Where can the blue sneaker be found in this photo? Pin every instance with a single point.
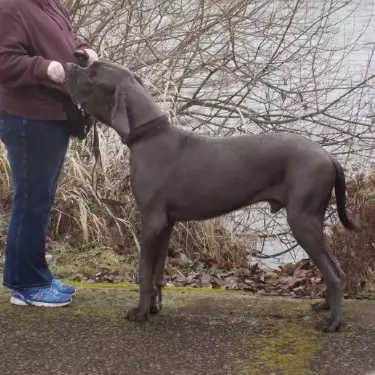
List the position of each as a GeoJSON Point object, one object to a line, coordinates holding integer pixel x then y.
{"type": "Point", "coordinates": [46, 297]}
{"type": "Point", "coordinates": [62, 288]}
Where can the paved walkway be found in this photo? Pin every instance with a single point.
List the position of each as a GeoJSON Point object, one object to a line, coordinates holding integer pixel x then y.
{"type": "Point", "coordinates": [199, 333]}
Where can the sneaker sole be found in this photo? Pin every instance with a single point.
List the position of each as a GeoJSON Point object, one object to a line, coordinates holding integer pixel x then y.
{"type": "Point", "coordinates": [18, 302]}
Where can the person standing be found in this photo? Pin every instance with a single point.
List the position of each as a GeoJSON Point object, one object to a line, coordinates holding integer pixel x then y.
{"type": "Point", "coordinates": [36, 40]}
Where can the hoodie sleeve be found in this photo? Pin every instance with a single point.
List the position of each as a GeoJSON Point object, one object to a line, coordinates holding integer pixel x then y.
{"type": "Point", "coordinates": [17, 68]}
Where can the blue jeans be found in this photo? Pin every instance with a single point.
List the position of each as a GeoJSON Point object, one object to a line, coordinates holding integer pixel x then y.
{"type": "Point", "coordinates": [36, 152]}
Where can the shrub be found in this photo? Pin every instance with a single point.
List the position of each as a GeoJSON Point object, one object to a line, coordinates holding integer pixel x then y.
{"type": "Point", "coordinates": [356, 250]}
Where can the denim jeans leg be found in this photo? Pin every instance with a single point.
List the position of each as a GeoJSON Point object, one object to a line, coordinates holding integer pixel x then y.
{"type": "Point", "coordinates": [36, 151]}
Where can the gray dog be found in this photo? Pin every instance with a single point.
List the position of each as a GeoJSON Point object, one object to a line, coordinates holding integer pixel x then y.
{"type": "Point", "coordinates": [178, 175]}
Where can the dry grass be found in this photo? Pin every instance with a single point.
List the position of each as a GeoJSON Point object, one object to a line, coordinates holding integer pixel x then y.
{"type": "Point", "coordinates": [356, 251]}
{"type": "Point", "coordinates": [88, 236]}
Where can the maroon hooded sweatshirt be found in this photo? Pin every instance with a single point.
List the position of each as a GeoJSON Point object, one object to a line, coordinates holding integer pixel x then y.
{"type": "Point", "coordinates": [32, 34]}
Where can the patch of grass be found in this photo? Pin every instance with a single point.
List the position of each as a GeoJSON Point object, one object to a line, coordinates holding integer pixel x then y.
{"type": "Point", "coordinates": [118, 286]}
{"type": "Point", "coordinates": [282, 348]}
{"type": "Point", "coordinates": [67, 262]}
{"type": "Point", "coordinates": [172, 289]}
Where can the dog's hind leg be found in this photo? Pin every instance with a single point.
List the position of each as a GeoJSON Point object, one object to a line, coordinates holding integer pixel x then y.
{"type": "Point", "coordinates": [155, 227]}
{"type": "Point", "coordinates": [157, 297]}
{"type": "Point", "coordinates": [336, 266]}
{"type": "Point", "coordinates": [340, 274]}
{"type": "Point", "coordinates": [325, 305]}
{"type": "Point", "coordinates": [308, 231]}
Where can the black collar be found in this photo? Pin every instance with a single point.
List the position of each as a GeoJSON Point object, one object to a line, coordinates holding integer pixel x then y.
{"type": "Point", "coordinates": [148, 130]}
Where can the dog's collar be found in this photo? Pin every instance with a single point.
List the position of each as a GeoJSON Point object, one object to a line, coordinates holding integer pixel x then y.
{"type": "Point", "coordinates": [148, 130]}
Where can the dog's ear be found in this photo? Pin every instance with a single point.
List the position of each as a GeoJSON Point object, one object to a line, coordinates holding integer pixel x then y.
{"type": "Point", "coordinates": [119, 115]}
{"type": "Point", "coordinates": [138, 79]}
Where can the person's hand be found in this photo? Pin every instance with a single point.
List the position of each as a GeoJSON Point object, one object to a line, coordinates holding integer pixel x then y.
{"type": "Point", "coordinates": [56, 72]}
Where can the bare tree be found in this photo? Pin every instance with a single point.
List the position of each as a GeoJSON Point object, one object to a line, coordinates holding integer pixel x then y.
{"type": "Point", "coordinates": [244, 66]}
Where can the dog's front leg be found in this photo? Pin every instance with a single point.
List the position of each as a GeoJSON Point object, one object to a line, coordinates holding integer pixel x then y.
{"type": "Point", "coordinates": [157, 297]}
{"type": "Point", "coordinates": [154, 228]}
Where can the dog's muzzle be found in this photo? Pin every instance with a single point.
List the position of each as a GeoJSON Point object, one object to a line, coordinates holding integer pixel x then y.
{"type": "Point", "coordinates": [68, 67]}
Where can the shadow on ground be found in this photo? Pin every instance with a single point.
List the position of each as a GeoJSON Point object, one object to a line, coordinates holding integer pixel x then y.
{"type": "Point", "coordinates": [199, 332]}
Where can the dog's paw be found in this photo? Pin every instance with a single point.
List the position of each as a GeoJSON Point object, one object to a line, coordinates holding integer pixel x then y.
{"type": "Point", "coordinates": [137, 315]}
{"type": "Point", "coordinates": [156, 301]}
{"type": "Point", "coordinates": [155, 308]}
{"type": "Point", "coordinates": [330, 325]}
{"type": "Point", "coordinates": [321, 306]}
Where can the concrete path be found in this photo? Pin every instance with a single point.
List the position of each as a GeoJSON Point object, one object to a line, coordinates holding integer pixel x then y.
{"type": "Point", "coordinates": [199, 333]}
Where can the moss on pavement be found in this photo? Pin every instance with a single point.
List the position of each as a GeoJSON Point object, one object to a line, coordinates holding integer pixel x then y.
{"type": "Point", "coordinates": [198, 332]}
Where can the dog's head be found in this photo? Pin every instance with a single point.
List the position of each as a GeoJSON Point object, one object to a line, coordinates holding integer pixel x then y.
{"type": "Point", "coordinates": [101, 89]}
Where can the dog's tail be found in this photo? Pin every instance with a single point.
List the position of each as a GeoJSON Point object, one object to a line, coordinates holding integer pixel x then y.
{"type": "Point", "coordinates": [340, 192]}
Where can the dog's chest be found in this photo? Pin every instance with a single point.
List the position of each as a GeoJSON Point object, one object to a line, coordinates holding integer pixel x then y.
{"type": "Point", "coordinates": [149, 173]}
